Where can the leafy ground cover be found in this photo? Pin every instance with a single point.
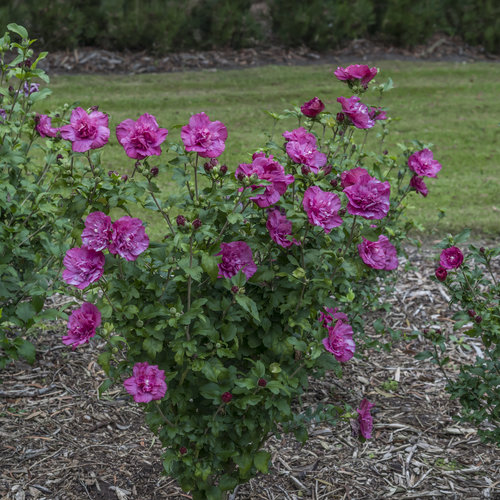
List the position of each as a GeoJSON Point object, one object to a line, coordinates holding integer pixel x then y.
{"type": "Point", "coordinates": [452, 105]}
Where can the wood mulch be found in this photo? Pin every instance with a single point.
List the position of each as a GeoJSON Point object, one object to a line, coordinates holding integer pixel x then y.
{"type": "Point", "coordinates": [92, 60]}
{"type": "Point", "coordinates": [60, 442]}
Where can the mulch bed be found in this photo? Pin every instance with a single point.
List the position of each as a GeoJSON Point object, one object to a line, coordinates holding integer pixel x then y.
{"type": "Point", "coordinates": [60, 442]}
{"type": "Point", "coordinates": [92, 60]}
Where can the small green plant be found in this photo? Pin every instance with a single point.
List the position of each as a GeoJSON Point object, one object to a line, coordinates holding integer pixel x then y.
{"type": "Point", "coordinates": [474, 287]}
{"type": "Point", "coordinates": [390, 385]}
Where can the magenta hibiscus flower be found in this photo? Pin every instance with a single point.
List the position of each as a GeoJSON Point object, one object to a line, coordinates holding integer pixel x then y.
{"type": "Point", "coordinates": [379, 254]}
{"type": "Point", "coordinates": [356, 73]}
{"type": "Point", "coordinates": [423, 163]}
{"type": "Point", "coordinates": [83, 267]}
{"type": "Point", "coordinates": [368, 197]}
{"type": "Point", "coordinates": [203, 136]}
{"type": "Point", "coordinates": [313, 107]}
{"type": "Point", "coordinates": [322, 208]}
{"type": "Point", "coordinates": [129, 238]}
{"type": "Point", "coordinates": [339, 341]}
{"type": "Point", "coordinates": [358, 113]}
{"type": "Point", "coordinates": [97, 232]}
{"type": "Point", "coordinates": [236, 256]}
{"type": "Point", "coordinates": [266, 168]}
{"type": "Point", "coordinates": [302, 149]}
{"type": "Point", "coordinates": [418, 184]}
{"type": "Point", "coordinates": [44, 126]}
{"type": "Point", "coordinates": [147, 383]}
{"type": "Point", "coordinates": [350, 177]}
{"type": "Point", "coordinates": [365, 419]}
{"type": "Point", "coordinates": [82, 325]}
{"type": "Point", "coordinates": [280, 228]}
{"type": "Point", "coordinates": [86, 131]}
{"type": "Point", "coordinates": [141, 138]}
{"type": "Point", "coordinates": [451, 258]}
{"type": "Point", "coordinates": [327, 317]}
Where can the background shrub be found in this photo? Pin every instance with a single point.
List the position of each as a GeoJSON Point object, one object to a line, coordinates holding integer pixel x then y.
{"type": "Point", "coordinates": [167, 25]}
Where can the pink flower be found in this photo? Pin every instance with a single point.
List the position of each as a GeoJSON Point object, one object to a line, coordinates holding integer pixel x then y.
{"type": "Point", "coordinates": [377, 113]}
{"type": "Point", "coordinates": [236, 256]}
{"type": "Point", "coordinates": [418, 184]}
{"type": "Point", "coordinates": [97, 232]}
{"type": "Point", "coordinates": [356, 72]}
{"type": "Point", "coordinates": [451, 258]}
{"type": "Point", "coordinates": [141, 138]}
{"type": "Point", "coordinates": [339, 341]}
{"type": "Point", "coordinates": [379, 254]}
{"type": "Point", "coordinates": [83, 267]}
{"type": "Point", "coordinates": [368, 197]}
{"type": "Point", "coordinates": [44, 126]}
{"type": "Point", "coordinates": [86, 131]}
{"type": "Point", "coordinates": [423, 163]}
{"type": "Point", "coordinates": [129, 239]}
{"type": "Point", "coordinates": [301, 148]}
{"type": "Point", "coordinates": [441, 273]}
{"type": "Point", "coordinates": [325, 318]}
{"type": "Point", "coordinates": [357, 112]}
{"type": "Point", "coordinates": [82, 324]}
{"type": "Point", "coordinates": [266, 168]}
{"type": "Point", "coordinates": [280, 228]}
{"type": "Point", "coordinates": [365, 419]}
{"type": "Point", "coordinates": [313, 107]}
{"type": "Point", "coordinates": [147, 383]}
{"type": "Point", "coordinates": [322, 208]}
{"type": "Point", "coordinates": [203, 136]}
{"type": "Point", "coordinates": [350, 177]}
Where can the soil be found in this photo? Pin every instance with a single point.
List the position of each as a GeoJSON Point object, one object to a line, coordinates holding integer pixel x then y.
{"type": "Point", "coordinates": [92, 60]}
{"type": "Point", "coordinates": [59, 441]}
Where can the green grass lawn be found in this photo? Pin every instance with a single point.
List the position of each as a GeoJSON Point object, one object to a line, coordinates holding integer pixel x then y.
{"type": "Point", "coordinates": [453, 105]}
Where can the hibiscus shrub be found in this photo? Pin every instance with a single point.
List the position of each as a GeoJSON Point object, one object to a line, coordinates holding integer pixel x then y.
{"type": "Point", "coordinates": [260, 281]}
{"type": "Point", "coordinates": [46, 186]}
{"type": "Point", "coordinates": [474, 288]}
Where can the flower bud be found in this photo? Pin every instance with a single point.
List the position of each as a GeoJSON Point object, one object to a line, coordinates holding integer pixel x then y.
{"type": "Point", "coordinates": [482, 250]}
{"type": "Point", "coordinates": [223, 169]}
{"type": "Point", "coordinates": [340, 117]}
{"type": "Point", "coordinates": [214, 162]}
{"type": "Point", "coordinates": [208, 167]}
{"type": "Point", "coordinates": [327, 169]}
{"type": "Point", "coordinates": [385, 152]}
{"type": "Point", "coordinates": [59, 157]}
{"type": "Point", "coordinates": [154, 171]}
{"type": "Point", "coordinates": [124, 177]}
{"type": "Point", "coordinates": [341, 133]}
{"type": "Point", "coordinates": [334, 183]}
{"type": "Point", "coordinates": [112, 172]}
{"type": "Point", "coordinates": [196, 224]}
{"type": "Point", "coordinates": [93, 108]}
{"type": "Point", "coordinates": [441, 273]}
{"type": "Point", "coordinates": [342, 212]}
{"type": "Point", "coordinates": [478, 319]}
{"type": "Point", "coordinates": [182, 450]}
{"type": "Point", "coordinates": [305, 169]}
{"type": "Point", "coordinates": [226, 397]}
{"type": "Point", "coordinates": [181, 220]}
{"type": "Point", "coordinates": [262, 382]}
{"type": "Point", "coordinates": [240, 176]}
{"type": "Point", "coordinates": [235, 289]}
{"type": "Point", "coordinates": [471, 313]}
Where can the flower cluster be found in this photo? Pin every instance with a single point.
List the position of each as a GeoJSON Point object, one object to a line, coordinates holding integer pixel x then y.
{"type": "Point", "coordinates": [423, 164]}
{"type": "Point", "coordinates": [339, 341]}
{"type": "Point", "coordinates": [357, 112]}
{"type": "Point", "coordinates": [356, 74]}
{"type": "Point", "coordinates": [125, 237]}
{"type": "Point", "coordinates": [450, 258]}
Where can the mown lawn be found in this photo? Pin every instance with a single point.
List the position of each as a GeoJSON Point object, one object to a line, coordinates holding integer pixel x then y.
{"type": "Point", "coordinates": [453, 105]}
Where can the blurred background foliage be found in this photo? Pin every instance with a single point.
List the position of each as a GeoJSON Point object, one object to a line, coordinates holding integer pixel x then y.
{"type": "Point", "coordinates": [172, 25]}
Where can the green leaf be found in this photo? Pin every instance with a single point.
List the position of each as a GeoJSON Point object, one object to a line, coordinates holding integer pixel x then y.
{"type": "Point", "coordinates": [245, 464]}
{"type": "Point", "coordinates": [20, 30]}
{"type": "Point", "coordinates": [209, 265]}
{"type": "Point", "coordinates": [103, 359]}
{"type": "Point", "coordinates": [105, 386]}
{"type": "Point", "coordinates": [424, 355]}
{"type": "Point", "coordinates": [227, 482]}
{"type": "Point", "coordinates": [25, 311]}
{"type": "Point", "coordinates": [261, 461]}
{"type": "Point", "coordinates": [248, 305]}
{"type": "Point", "coordinates": [152, 346]}
{"type": "Point", "coordinates": [27, 351]}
